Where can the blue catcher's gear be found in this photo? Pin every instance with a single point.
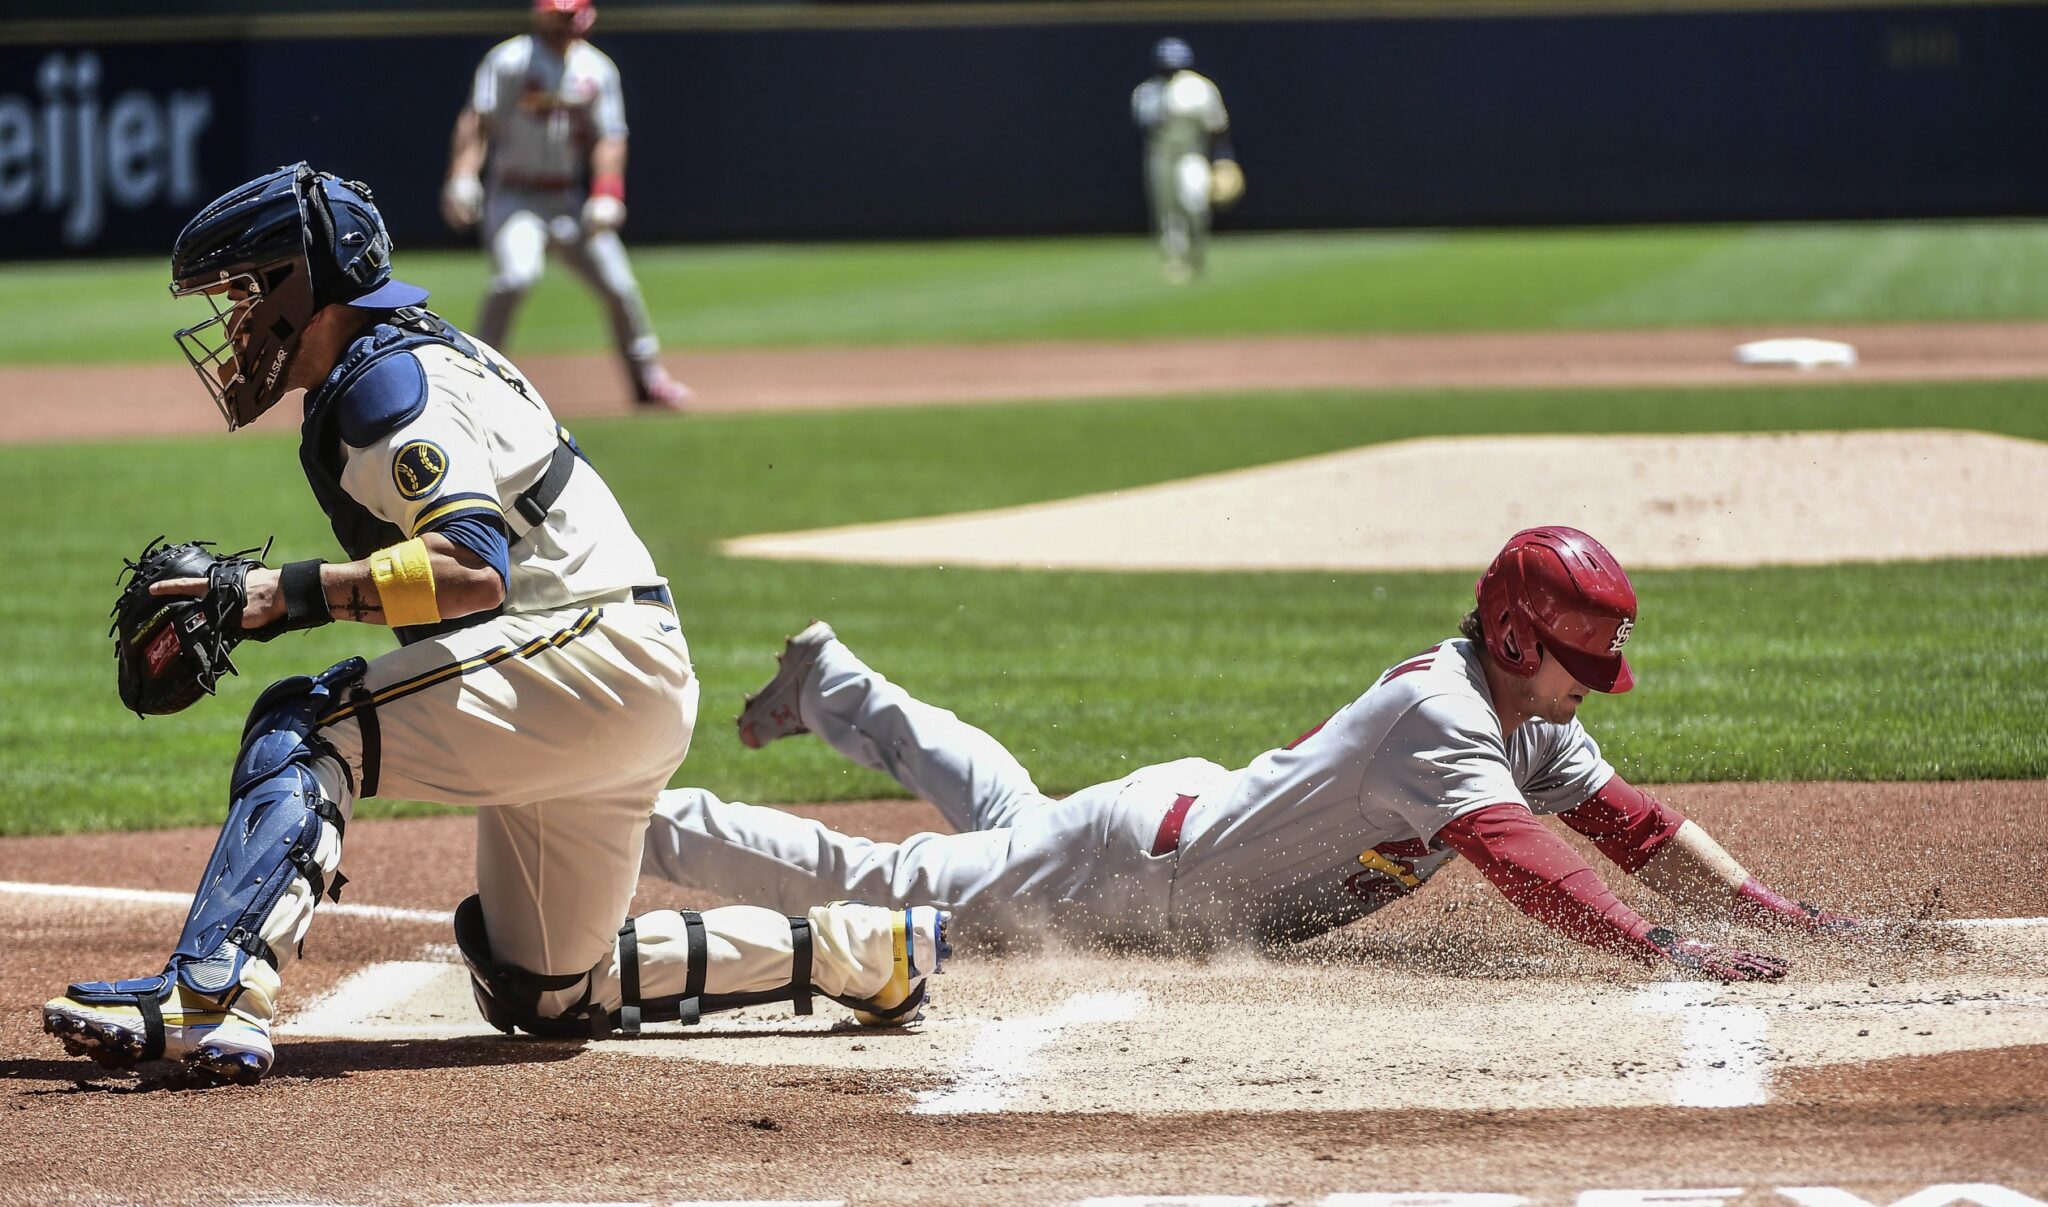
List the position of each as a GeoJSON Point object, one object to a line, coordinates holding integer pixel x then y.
{"type": "Point", "coordinates": [277, 249]}
{"type": "Point", "coordinates": [279, 852]}
{"type": "Point", "coordinates": [1172, 54]}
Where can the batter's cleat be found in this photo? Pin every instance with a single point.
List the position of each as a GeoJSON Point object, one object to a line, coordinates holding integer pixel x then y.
{"type": "Point", "coordinates": [123, 1024]}
{"type": "Point", "coordinates": [655, 390]}
{"type": "Point", "coordinates": [921, 950]}
{"type": "Point", "coordinates": [771, 713]}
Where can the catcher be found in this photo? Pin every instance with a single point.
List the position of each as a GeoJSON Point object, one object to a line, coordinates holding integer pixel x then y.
{"type": "Point", "coordinates": [541, 676]}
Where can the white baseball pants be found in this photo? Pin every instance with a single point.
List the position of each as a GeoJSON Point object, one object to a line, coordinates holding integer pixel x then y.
{"type": "Point", "coordinates": [561, 727]}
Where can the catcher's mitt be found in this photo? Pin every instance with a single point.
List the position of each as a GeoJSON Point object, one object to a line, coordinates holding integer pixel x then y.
{"type": "Point", "coordinates": [172, 649]}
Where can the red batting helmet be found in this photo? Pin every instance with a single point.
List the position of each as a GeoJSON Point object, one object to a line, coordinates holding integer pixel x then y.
{"type": "Point", "coordinates": [585, 10]}
{"type": "Point", "coordinates": [1558, 589]}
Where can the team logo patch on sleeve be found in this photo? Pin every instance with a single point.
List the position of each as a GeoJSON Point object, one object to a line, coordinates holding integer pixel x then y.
{"type": "Point", "coordinates": [418, 469]}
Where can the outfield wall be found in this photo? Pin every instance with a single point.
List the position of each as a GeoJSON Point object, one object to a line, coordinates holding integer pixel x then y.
{"type": "Point", "coordinates": [986, 119]}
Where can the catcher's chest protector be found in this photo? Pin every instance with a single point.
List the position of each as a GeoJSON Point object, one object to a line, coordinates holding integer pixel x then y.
{"type": "Point", "coordinates": [378, 409]}
{"type": "Point", "coordinates": [366, 397]}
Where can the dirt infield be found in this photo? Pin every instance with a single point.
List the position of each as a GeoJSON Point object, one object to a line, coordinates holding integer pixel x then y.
{"type": "Point", "coordinates": [1443, 1045]}
{"type": "Point", "coordinates": [1445, 1049]}
{"type": "Point", "coordinates": [62, 403]}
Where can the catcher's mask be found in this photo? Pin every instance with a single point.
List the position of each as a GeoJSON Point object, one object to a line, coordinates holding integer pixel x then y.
{"type": "Point", "coordinates": [266, 256]}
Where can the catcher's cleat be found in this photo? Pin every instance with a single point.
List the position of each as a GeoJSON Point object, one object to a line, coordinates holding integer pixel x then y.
{"type": "Point", "coordinates": [921, 950]}
{"type": "Point", "coordinates": [655, 390]}
{"type": "Point", "coordinates": [771, 713]}
{"type": "Point", "coordinates": [123, 1024]}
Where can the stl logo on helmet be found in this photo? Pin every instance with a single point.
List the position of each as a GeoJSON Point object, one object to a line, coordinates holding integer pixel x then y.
{"type": "Point", "coordinates": [1621, 632]}
{"type": "Point", "coordinates": [418, 469]}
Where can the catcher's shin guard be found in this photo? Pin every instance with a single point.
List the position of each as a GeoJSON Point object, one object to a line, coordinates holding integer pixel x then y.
{"type": "Point", "coordinates": [899, 947]}
{"type": "Point", "coordinates": [693, 1003]}
{"type": "Point", "coordinates": [508, 996]}
{"type": "Point", "coordinates": [279, 851]}
{"type": "Point", "coordinates": [837, 945]}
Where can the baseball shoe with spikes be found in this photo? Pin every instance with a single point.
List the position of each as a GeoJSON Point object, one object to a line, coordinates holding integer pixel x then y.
{"type": "Point", "coordinates": [122, 1024]}
{"type": "Point", "coordinates": [655, 390]}
{"type": "Point", "coordinates": [921, 950]}
{"type": "Point", "coordinates": [771, 713]}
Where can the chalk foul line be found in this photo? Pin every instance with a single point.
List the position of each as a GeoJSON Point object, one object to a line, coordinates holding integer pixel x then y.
{"type": "Point", "coordinates": [144, 896]}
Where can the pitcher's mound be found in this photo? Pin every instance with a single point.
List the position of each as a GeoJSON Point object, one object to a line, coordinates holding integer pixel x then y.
{"type": "Point", "coordinates": [1447, 503]}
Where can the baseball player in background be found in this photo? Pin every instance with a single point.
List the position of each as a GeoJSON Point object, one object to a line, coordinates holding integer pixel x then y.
{"type": "Point", "coordinates": [1189, 166]}
{"type": "Point", "coordinates": [539, 158]}
{"type": "Point", "coordinates": [541, 676]}
{"type": "Point", "coordinates": [1453, 752]}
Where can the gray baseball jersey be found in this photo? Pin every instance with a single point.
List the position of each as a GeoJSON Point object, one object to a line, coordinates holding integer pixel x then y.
{"type": "Point", "coordinates": [542, 114]}
{"type": "Point", "coordinates": [1329, 828]}
{"type": "Point", "coordinates": [1304, 839]}
{"type": "Point", "coordinates": [542, 111]}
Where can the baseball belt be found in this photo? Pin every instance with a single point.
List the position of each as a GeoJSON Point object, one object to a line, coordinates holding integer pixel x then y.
{"type": "Point", "coordinates": [1167, 841]}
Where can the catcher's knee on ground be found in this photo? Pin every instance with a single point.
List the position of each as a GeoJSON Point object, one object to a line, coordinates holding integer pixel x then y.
{"type": "Point", "coordinates": [679, 966]}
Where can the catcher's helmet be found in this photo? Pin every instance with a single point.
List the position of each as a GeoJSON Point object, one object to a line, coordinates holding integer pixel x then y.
{"type": "Point", "coordinates": [1560, 590]}
{"type": "Point", "coordinates": [585, 11]}
{"type": "Point", "coordinates": [268, 254]}
{"type": "Point", "coordinates": [1172, 54]}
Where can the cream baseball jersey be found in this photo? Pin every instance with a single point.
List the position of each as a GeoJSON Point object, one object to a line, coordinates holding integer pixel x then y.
{"type": "Point", "coordinates": [1186, 102]}
{"type": "Point", "coordinates": [542, 111]}
{"type": "Point", "coordinates": [483, 436]}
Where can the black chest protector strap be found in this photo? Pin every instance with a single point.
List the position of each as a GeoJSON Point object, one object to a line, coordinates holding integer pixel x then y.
{"type": "Point", "coordinates": [534, 503]}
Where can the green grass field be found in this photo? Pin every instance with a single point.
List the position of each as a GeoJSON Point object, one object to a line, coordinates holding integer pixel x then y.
{"type": "Point", "coordinates": [113, 311]}
{"type": "Point", "coordinates": [1930, 670]}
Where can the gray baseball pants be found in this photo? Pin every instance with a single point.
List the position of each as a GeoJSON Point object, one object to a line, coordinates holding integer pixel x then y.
{"type": "Point", "coordinates": [1021, 864]}
{"type": "Point", "coordinates": [520, 227]}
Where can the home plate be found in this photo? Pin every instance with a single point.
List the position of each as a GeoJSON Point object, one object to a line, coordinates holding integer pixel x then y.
{"type": "Point", "coordinates": [1158, 1036]}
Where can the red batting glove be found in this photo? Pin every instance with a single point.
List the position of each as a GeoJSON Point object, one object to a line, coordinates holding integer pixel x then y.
{"type": "Point", "coordinates": [1720, 963]}
{"type": "Point", "coordinates": [1759, 905]}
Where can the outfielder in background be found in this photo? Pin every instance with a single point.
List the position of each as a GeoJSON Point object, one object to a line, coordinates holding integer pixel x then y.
{"type": "Point", "coordinates": [1189, 166]}
{"type": "Point", "coordinates": [541, 676]}
{"type": "Point", "coordinates": [1451, 753]}
{"type": "Point", "coordinates": [539, 158]}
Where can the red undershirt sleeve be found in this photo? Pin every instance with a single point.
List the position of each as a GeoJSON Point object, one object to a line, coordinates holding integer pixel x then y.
{"type": "Point", "coordinates": [1626, 823]}
{"type": "Point", "coordinates": [1546, 879]}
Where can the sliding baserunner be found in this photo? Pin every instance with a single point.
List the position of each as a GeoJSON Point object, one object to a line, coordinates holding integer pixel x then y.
{"type": "Point", "coordinates": [1453, 752]}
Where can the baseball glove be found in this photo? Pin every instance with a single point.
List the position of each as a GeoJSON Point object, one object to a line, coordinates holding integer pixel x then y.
{"type": "Point", "coordinates": [1226, 183]}
{"type": "Point", "coordinates": [172, 649]}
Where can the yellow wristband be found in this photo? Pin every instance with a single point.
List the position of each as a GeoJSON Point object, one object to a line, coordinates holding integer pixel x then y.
{"type": "Point", "coordinates": [405, 584]}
